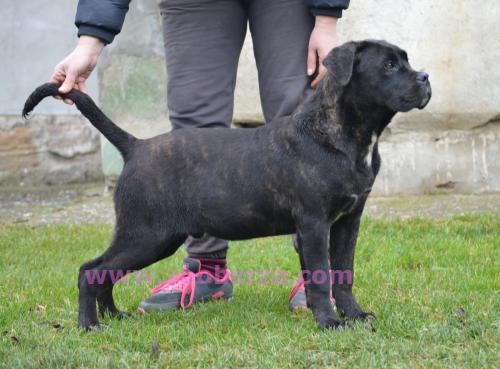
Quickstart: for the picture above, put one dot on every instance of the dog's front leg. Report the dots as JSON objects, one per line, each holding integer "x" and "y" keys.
{"x": 312, "y": 236}
{"x": 343, "y": 236}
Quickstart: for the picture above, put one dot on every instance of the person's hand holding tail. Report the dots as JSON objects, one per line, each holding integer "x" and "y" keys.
{"x": 74, "y": 70}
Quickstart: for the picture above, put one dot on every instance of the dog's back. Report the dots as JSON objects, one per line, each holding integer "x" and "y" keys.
{"x": 184, "y": 177}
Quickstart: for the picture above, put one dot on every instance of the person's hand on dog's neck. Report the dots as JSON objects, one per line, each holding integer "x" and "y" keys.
{"x": 323, "y": 39}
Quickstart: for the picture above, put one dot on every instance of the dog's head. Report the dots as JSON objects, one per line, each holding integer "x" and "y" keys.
{"x": 379, "y": 73}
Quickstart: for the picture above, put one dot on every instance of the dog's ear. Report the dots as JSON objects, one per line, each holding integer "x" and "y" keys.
{"x": 340, "y": 62}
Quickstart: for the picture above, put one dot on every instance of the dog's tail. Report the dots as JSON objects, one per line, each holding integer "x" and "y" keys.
{"x": 122, "y": 140}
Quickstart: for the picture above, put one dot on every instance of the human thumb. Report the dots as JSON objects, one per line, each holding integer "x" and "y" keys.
{"x": 69, "y": 83}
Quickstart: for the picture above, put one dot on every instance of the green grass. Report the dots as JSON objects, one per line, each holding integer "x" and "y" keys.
{"x": 413, "y": 274}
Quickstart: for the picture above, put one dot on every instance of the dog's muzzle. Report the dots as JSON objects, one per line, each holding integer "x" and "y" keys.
{"x": 427, "y": 97}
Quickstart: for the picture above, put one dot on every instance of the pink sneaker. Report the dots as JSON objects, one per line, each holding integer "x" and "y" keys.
{"x": 191, "y": 286}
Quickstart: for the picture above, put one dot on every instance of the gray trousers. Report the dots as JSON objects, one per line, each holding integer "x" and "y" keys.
{"x": 203, "y": 41}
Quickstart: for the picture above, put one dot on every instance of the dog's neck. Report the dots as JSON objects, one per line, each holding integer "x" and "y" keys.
{"x": 330, "y": 119}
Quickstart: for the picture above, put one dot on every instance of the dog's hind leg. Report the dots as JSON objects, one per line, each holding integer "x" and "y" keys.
{"x": 105, "y": 300}
{"x": 87, "y": 315}
{"x": 90, "y": 273}
{"x": 128, "y": 252}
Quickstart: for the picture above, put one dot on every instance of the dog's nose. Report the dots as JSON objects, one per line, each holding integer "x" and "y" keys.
{"x": 422, "y": 77}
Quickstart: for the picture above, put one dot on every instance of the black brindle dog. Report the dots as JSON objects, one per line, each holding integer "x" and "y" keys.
{"x": 309, "y": 174}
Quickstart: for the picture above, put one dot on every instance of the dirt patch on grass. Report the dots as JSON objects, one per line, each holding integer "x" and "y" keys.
{"x": 80, "y": 204}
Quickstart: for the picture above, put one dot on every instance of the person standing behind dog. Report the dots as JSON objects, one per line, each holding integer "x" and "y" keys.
{"x": 203, "y": 41}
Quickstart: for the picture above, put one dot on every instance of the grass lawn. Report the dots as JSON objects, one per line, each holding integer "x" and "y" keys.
{"x": 434, "y": 285}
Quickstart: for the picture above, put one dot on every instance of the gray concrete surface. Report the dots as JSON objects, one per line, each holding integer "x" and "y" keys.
{"x": 35, "y": 36}
{"x": 57, "y": 145}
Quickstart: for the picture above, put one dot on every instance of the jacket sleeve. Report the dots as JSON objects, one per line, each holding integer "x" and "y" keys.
{"x": 332, "y": 8}
{"x": 101, "y": 18}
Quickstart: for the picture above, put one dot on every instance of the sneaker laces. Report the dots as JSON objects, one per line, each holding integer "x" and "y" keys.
{"x": 185, "y": 283}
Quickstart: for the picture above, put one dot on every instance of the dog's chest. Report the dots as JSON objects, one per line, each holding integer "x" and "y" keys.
{"x": 369, "y": 151}
{"x": 355, "y": 186}
{"x": 347, "y": 204}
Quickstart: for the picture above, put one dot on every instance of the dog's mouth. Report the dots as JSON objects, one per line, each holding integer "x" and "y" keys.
{"x": 419, "y": 100}
{"x": 426, "y": 99}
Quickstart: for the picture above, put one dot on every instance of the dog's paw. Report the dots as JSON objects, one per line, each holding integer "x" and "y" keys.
{"x": 122, "y": 315}
{"x": 360, "y": 315}
{"x": 367, "y": 316}
{"x": 88, "y": 323}
{"x": 115, "y": 314}
{"x": 332, "y": 322}
{"x": 364, "y": 316}
{"x": 89, "y": 327}
{"x": 119, "y": 314}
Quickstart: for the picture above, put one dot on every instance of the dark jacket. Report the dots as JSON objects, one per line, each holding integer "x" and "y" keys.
{"x": 104, "y": 18}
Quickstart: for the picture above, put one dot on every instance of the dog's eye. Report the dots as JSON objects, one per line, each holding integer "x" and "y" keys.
{"x": 389, "y": 65}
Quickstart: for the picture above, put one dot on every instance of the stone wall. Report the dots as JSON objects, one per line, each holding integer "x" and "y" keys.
{"x": 48, "y": 149}
{"x": 57, "y": 145}
{"x": 451, "y": 146}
